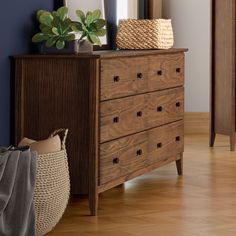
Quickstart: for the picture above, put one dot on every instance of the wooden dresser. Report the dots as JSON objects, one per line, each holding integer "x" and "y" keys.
{"x": 124, "y": 111}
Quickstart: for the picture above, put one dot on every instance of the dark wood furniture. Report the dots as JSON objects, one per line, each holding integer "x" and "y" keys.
{"x": 223, "y": 70}
{"x": 124, "y": 111}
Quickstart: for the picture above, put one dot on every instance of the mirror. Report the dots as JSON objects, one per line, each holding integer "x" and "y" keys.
{"x": 132, "y": 9}
{"x": 113, "y": 11}
{"x": 85, "y": 6}
{"x": 127, "y": 9}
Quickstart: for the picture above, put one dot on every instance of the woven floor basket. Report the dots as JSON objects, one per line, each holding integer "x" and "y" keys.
{"x": 145, "y": 34}
{"x": 52, "y": 188}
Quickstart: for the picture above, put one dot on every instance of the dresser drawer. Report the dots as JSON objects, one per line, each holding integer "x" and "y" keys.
{"x": 121, "y": 117}
{"x": 123, "y": 156}
{"x": 165, "y": 71}
{"x": 123, "y": 76}
{"x": 165, "y": 141}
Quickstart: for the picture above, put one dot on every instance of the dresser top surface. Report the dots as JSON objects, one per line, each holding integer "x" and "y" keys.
{"x": 107, "y": 54}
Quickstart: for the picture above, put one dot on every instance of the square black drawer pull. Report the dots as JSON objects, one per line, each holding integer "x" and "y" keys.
{"x": 177, "y": 139}
{"x": 139, "y": 114}
{"x": 159, "y": 145}
{"x": 116, "y": 120}
{"x": 159, "y": 72}
{"x": 139, "y": 75}
{"x": 116, "y": 78}
{"x": 178, "y": 104}
{"x": 178, "y": 70}
{"x": 139, "y": 152}
{"x": 116, "y": 161}
{"x": 159, "y": 109}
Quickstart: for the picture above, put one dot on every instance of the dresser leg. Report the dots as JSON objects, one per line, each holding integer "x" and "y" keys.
{"x": 93, "y": 204}
{"x": 179, "y": 165}
{"x": 232, "y": 142}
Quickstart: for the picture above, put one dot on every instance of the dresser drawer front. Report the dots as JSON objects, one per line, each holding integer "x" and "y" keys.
{"x": 123, "y": 76}
{"x": 166, "y": 71}
{"x": 165, "y": 141}
{"x": 122, "y": 117}
{"x": 123, "y": 156}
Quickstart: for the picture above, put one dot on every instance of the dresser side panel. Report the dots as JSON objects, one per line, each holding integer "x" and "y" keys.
{"x": 54, "y": 93}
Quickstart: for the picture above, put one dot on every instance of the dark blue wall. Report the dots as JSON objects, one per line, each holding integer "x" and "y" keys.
{"x": 17, "y": 26}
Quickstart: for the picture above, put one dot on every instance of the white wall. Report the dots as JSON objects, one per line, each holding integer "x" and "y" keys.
{"x": 191, "y": 21}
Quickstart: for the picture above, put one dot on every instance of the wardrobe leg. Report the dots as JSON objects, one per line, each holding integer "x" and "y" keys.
{"x": 93, "y": 204}
{"x": 212, "y": 139}
{"x": 179, "y": 165}
{"x": 232, "y": 142}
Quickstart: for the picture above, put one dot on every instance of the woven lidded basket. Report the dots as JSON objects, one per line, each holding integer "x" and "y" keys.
{"x": 52, "y": 188}
{"x": 145, "y": 34}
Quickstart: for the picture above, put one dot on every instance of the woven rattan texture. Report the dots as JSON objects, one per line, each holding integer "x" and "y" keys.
{"x": 145, "y": 34}
{"x": 52, "y": 189}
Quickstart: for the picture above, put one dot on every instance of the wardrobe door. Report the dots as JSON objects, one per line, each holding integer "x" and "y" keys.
{"x": 223, "y": 69}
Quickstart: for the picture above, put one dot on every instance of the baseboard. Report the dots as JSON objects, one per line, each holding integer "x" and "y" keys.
{"x": 196, "y": 122}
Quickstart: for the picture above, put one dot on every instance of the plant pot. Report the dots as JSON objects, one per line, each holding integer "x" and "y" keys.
{"x": 84, "y": 46}
{"x": 70, "y": 48}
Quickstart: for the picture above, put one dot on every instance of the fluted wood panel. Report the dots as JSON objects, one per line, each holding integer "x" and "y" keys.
{"x": 54, "y": 94}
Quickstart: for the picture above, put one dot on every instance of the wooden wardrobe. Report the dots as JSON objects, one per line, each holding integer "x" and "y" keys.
{"x": 223, "y": 71}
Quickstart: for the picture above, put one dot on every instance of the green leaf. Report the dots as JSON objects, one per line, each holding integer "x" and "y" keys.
{"x": 88, "y": 13}
{"x": 55, "y": 31}
{"x": 60, "y": 44}
{"x": 67, "y": 22}
{"x": 100, "y": 23}
{"x": 50, "y": 42}
{"x": 94, "y": 39}
{"x": 101, "y": 32}
{"x": 45, "y": 29}
{"x": 81, "y": 16}
{"x": 85, "y": 28}
{"x": 46, "y": 19}
{"x": 89, "y": 18}
{"x": 69, "y": 37}
{"x": 66, "y": 26}
{"x": 96, "y": 14}
{"x": 62, "y": 12}
{"x": 77, "y": 27}
{"x": 39, "y": 37}
{"x": 56, "y": 22}
{"x": 40, "y": 12}
{"x": 92, "y": 27}
{"x": 55, "y": 14}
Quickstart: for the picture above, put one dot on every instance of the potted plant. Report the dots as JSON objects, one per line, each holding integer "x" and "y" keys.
{"x": 56, "y": 32}
{"x": 90, "y": 27}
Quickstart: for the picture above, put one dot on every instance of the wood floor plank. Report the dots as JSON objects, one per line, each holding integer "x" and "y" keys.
{"x": 201, "y": 203}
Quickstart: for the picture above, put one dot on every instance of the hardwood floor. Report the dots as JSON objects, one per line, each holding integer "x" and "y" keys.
{"x": 201, "y": 203}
